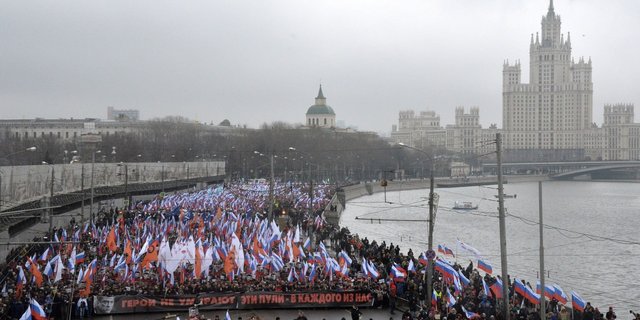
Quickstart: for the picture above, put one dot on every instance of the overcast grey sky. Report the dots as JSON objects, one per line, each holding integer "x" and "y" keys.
{"x": 261, "y": 61}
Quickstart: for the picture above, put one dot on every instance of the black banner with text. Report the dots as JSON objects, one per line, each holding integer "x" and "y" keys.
{"x": 266, "y": 300}
{"x": 213, "y": 301}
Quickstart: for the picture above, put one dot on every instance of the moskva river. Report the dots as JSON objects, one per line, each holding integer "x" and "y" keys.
{"x": 591, "y": 239}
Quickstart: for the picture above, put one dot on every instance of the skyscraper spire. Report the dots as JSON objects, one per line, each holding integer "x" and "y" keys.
{"x": 551, "y": 12}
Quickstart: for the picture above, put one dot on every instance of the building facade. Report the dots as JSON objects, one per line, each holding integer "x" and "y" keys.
{"x": 423, "y": 131}
{"x": 320, "y": 114}
{"x": 61, "y": 129}
{"x": 419, "y": 130}
{"x": 123, "y": 115}
{"x": 550, "y": 118}
{"x": 555, "y": 107}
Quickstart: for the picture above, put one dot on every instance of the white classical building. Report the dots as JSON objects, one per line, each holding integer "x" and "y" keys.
{"x": 423, "y": 131}
{"x": 419, "y": 130}
{"x": 320, "y": 114}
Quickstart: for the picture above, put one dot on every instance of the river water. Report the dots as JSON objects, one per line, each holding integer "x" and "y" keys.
{"x": 603, "y": 269}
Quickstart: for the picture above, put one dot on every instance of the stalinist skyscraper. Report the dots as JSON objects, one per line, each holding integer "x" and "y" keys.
{"x": 555, "y": 107}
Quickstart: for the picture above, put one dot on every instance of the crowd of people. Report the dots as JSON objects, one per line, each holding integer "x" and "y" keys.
{"x": 225, "y": 239}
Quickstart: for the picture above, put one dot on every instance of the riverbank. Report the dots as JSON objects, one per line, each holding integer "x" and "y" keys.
{"x": 606, "y": 209}
{"x": 368, "y": 188}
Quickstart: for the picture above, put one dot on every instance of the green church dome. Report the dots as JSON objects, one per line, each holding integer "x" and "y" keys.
{"x": 320, "y": 107}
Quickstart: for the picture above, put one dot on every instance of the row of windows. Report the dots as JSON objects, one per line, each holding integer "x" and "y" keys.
{"x": 50, "y": 134}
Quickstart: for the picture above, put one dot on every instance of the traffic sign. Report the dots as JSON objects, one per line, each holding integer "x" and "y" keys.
{"x": 431, "y": 254}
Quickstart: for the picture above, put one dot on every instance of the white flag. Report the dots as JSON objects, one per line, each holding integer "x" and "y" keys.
{"x": 469, "y": 249}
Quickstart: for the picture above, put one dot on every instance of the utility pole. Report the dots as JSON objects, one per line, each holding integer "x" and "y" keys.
{"x": 543, "y": 313}
{"x": 503, "y": 236}
{"x": 430, "y": 240}
{"x": 271, "y": 190}
{"x": 51, "y": 201}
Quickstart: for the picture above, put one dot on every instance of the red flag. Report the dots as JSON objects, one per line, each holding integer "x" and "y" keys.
{"x": 198, "y": 264}
{"x": 35, "y": 272}
{"x": 111, "y": 240}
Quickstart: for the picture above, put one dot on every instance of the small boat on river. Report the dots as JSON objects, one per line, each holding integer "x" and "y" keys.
{"x": 464, "y": 205}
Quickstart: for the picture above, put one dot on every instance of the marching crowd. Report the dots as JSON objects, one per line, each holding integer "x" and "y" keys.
{"x": 224, "y": 239}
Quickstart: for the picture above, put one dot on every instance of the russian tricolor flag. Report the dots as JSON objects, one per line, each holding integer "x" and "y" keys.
{"x": 445, "y": 269}
{"x": 80, "y": 258}
{"x": 423, "y": 260}
{"x": 485, "y": 288}
{"x": 441, "y": 249}
{"x": 577, "y": 302}
{"x": 449, "y": 251}
{"x": 373, "y": 272}
{"x": 451, "y": 301}
{"x": 365, "y": 266}
{"x": 549, "y": 291}
{"x": 37, "y": 313}
{"x": 307, "y": 244}
{"x": 469, "y": 314}
{"x": 484, "y": 266}
{"x": 463, "y": 278}
{"x": 45, "y": 255}
{"x": 497, "y": 288}
{"x": 312, "y": 274}
{"x": 559, "y": 294}
{"x": 398, "y": 271}
{"x": 531, "y": 296}
{"x": 290, "y": 277}
{"x": 519, "y": 287}
{"x": 456, "y": 284}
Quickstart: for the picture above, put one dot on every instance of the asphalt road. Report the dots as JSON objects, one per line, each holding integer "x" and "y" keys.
{"x": 270, "y": 314}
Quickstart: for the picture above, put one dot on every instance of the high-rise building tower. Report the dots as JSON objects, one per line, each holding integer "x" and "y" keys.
{"x": 552, "y": 110}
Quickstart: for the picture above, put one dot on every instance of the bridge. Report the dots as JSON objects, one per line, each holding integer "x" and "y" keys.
{"x": 565, "y": 170}
{"x": 554, "y": 167}
{"x": 28, "y": 191}
{"x": 602, "y": 171}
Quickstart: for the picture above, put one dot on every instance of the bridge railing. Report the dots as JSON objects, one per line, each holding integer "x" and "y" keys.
{"x": 21, "y": 184}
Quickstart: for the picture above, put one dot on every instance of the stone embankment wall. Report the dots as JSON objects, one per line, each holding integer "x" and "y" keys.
{"x": 20, "y": 184}
{"x": 358, "y": 190}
